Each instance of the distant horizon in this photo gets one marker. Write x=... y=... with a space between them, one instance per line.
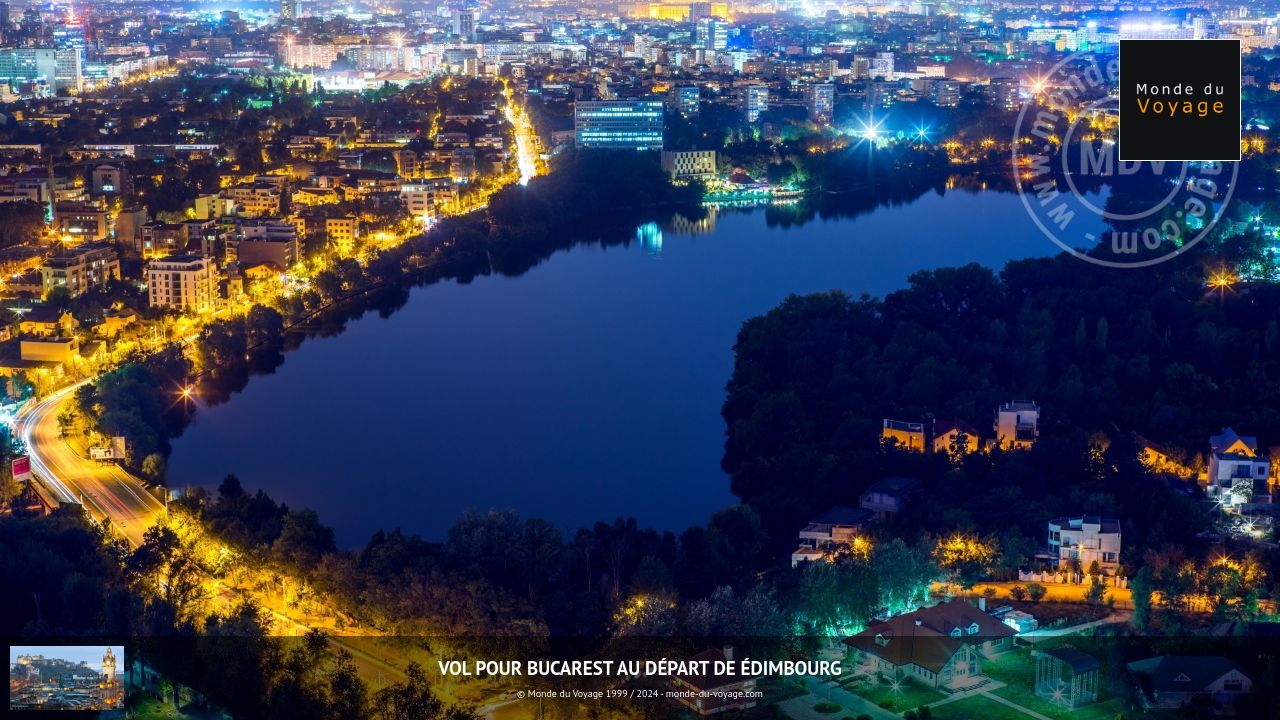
x=89 y=654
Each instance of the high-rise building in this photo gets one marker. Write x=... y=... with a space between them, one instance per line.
x=755 y=100
x=820 y=101
x=712 y=34
x=183 y=282
x=69 y=69
x=464 y=24
x=290 y=9
x=29 y=66
x=618 y=124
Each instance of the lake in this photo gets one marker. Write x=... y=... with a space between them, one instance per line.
x=586 y=389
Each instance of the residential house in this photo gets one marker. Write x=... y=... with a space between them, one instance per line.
x=907 y=435
x=1237 y=471
x=1017 y=425
x=114 y=322
x=955 y=435
x=1160 y=459
x=47 y=321
x=841 y=526
x=940 y=647
x=1171 y=681
x=129 y=222
x=712 y=692
x=888 y=495
x=1086 y=540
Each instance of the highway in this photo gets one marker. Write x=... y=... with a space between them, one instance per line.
x=111 y=496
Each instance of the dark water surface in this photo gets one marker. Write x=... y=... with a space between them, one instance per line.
x=586 y=389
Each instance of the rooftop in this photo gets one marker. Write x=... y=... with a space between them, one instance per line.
x=924 y=637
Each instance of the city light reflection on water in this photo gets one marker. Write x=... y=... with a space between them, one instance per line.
x=650 y=237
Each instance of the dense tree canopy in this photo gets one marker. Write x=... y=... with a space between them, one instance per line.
x=1105 y=354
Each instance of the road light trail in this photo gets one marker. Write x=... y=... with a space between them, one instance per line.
x=111 y=495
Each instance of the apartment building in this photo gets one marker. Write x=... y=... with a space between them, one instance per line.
x=183 y=282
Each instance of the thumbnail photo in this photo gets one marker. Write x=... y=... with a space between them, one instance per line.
x=66 y=677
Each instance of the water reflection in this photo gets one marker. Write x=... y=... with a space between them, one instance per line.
x=650 y=237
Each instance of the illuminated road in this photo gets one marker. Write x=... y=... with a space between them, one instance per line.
x=110 y=495
x=526 y=140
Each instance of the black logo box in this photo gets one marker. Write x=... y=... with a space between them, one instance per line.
x=1181 y=137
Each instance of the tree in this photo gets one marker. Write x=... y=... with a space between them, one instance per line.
x=726 y=614
x=966 y=557
x=737 y=539
x=20 y=222
x=1036 y=591
x=837 y=599
x=903 y=575
x=1141 y=587
x=9 y=488
x=154 y=467
x=1097 y=593
x=409 y=700
x=303 y=540
x=349 y=698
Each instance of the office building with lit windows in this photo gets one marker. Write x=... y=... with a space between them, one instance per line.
x=618 y=124
x=29 y=67
x=712 y=34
